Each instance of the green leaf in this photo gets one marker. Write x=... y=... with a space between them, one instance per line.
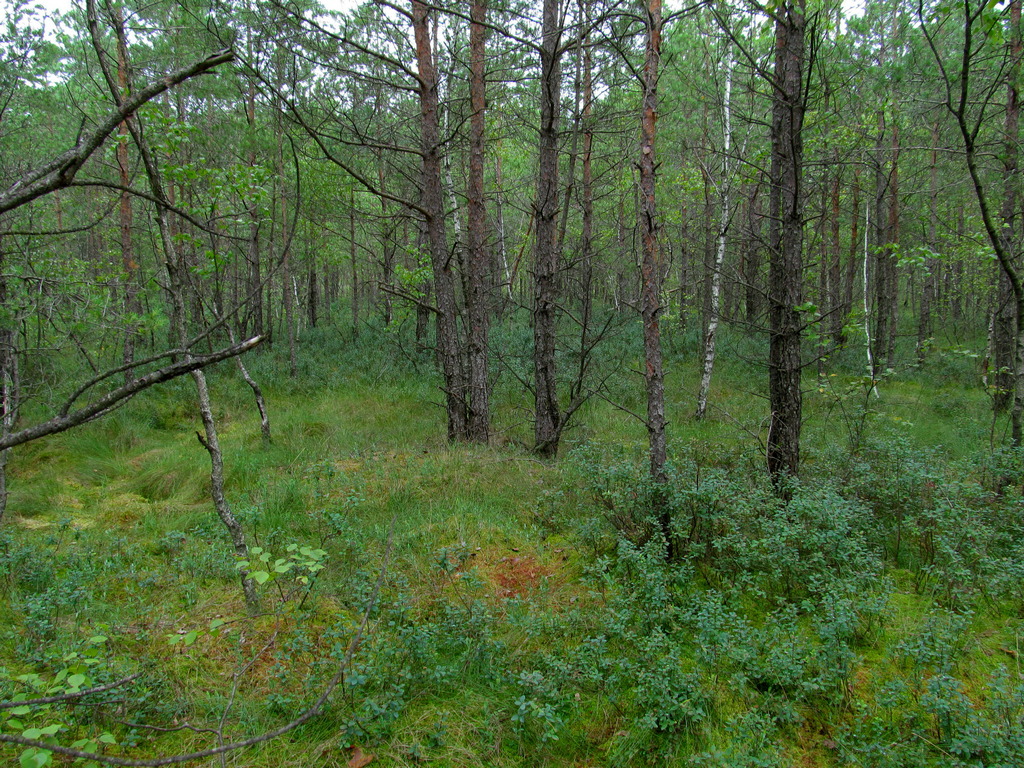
x=191 y=637
x=76 y=681
x=24 y=710
x=34 y=758
x=260 y=577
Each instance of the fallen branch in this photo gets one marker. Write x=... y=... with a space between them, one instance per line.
x=65 y=421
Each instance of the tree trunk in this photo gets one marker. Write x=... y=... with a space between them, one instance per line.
x=753 y=292
x=886 y=232
x=587 y=240
x=8 y=381
x=177 y=287
x=850 y=279
x=838 y=310
x=432 y=201
x=928 y=289
x=352 y=262
x=716 y=277
x=547 y=412
x=387 y=244
x=255 y=288
x=132 y=305
x=478 y=305
x=1005 y=319
x=785 y=270
x=287 y=289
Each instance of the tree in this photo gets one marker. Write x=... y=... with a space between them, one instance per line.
x=176 y=270
x=651 y=268
x=968 y=97
x=477 y=299
x=548 y=419
x=785 y=249
x=725 y=214
x=57 y=173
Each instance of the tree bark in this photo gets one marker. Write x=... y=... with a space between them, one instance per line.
x=785 y=269
x=8 y=382
x=132 y=305
x=724 y=186
x=650 y=299
x=1005 y=314
x=448 y=351
x=587 y=239
x=547 y=412
x=477 y=298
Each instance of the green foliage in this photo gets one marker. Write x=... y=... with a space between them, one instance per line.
x=531 y=614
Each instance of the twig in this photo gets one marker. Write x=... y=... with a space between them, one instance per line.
x=69 y=696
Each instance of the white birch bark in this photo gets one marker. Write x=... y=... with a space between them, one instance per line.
x=867 y=307
x=716 y=274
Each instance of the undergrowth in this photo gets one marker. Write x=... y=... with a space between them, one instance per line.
x=565 y=614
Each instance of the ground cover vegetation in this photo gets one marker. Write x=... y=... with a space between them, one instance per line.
x=511 y=384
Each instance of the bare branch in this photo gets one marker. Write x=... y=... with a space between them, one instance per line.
x=64 y=422
x=69 y=696
x=60 y=171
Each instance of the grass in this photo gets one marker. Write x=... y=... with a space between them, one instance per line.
x=517 y=626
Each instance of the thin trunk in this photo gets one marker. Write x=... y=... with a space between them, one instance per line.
x=8 y=382
x=477 y=303
x=255 y=309
x=587 y=241
x=132 y=305
x=352 y=260
x=885 y=255
x=547 y=412
x=502 y=267
x=893 y=237
x=867 y=305
x=851 y=273
x=684 y=266
x=288 y=293
x=312 y=295
x=388 y=245
x=716 y=277
x=448 y=349
x=928 y=290
x=650 y=301
x=422 y=313
x=1005 y=319
x=838 y=309
x=755 y=285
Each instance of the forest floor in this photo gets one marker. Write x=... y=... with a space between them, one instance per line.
x=521 y=613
